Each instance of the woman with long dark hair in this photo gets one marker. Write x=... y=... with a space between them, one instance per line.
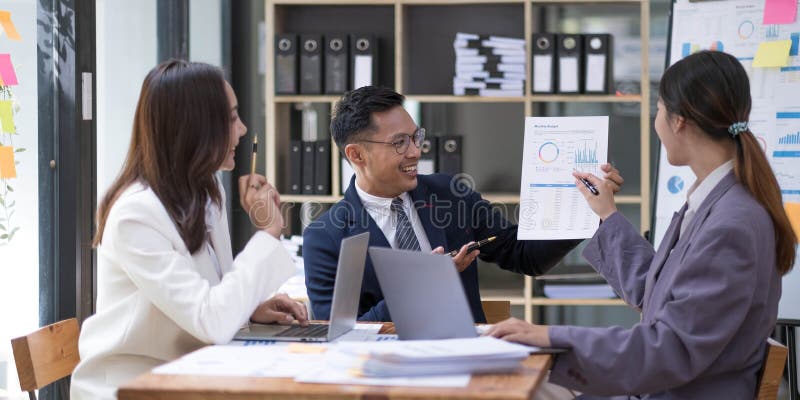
x=167 y=283
x=709 y=294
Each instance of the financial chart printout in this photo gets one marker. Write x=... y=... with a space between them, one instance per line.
x=551 y=207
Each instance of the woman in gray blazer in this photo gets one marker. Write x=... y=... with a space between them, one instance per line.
x=709 y=294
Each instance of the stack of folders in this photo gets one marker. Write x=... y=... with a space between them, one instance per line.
x=436 y=357
x=572 y=63
x=329 y=64
x=309 y=158
x=490 y=66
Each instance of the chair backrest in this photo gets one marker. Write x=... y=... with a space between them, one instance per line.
x=47 y=354
x=772 y=371
x=496 y=310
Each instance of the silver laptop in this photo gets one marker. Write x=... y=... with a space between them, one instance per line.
x=424 y=294
x=344 y=309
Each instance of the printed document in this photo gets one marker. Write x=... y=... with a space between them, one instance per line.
x=551 y=207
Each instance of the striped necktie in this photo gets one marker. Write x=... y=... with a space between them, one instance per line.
x=404 y=235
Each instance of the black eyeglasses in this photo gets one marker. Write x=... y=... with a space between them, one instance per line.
x=402 y=141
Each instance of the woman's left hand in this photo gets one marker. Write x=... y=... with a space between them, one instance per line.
x=515 y=330
x=280 y=309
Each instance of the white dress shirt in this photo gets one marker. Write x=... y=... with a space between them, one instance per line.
x=379 y=208
x=157 y=302
x=700 y=190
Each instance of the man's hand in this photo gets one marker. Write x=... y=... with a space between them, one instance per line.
x=463 y=259
x=281 y=309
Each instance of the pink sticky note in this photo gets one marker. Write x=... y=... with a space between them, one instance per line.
x=7 y=73
x=780 y=12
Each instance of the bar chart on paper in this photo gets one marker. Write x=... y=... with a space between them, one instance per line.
x=550 y=205
x=786 y=155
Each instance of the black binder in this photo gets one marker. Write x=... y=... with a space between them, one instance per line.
x=364 y=61
x=295 y=167
x=450 y=154
x=598 y=71
x=337 y=63
x=543 y=63
x=427 y=158
x=322 y=167
x=285 y=63
x=309 y=148
x=311 y=64
x=569 y=54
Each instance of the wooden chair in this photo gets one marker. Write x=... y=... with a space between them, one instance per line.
x=496 y=310
x=46 y=355
x=772 y=371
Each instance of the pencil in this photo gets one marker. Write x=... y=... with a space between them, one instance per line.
x=255 y=153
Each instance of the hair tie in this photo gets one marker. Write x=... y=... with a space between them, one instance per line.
x=737 y=127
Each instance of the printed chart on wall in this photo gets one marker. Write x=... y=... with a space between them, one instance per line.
x=764 y=36
x=551 y=207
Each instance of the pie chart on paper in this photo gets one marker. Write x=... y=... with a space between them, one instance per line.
x=548 y=152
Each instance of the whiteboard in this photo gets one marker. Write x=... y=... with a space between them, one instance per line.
x=735 y=27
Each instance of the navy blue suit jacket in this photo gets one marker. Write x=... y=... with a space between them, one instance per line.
x=451 y=218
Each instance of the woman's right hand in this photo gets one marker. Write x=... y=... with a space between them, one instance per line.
x=262 y=203
x=602 y=203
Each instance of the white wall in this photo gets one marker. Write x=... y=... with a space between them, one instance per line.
x=205 y=31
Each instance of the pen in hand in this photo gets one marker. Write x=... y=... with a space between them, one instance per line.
x=590 y=186
x=474 y=246
x=253 y=160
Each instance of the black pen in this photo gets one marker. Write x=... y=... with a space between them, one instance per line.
x=590 y=186
x=474 y=246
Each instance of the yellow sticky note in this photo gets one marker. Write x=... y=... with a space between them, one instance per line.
x=7 y=117
x=793 y=212
x=7 y=168
x=302 y=348
x=772 y=54
x=8 y=26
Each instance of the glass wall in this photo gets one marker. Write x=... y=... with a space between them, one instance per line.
x=19 y=177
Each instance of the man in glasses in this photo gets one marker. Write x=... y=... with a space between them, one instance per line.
x=404 y=210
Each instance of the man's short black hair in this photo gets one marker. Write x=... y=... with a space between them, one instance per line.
x=353 y=113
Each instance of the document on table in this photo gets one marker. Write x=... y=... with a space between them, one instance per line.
x=551 y=207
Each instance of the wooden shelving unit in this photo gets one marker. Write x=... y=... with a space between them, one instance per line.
x=401 y=63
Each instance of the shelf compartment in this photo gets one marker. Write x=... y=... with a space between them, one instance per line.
x=586 y=98
x=463 y=99
x=428 y=57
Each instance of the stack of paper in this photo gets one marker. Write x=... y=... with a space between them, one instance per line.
x=489 y=65
x=436 y=357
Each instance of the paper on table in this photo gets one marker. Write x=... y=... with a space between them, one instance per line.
x=780 y=11
x=551 y=207
x=256 y=361
x=772 y=54
x=436 y=350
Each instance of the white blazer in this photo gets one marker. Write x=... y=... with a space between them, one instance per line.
x=157 y=302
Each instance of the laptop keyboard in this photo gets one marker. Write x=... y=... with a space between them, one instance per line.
x=313 y=330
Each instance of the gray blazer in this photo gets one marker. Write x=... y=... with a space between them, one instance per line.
x=709 y=300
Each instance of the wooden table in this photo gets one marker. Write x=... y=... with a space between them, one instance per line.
x=520 y=385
